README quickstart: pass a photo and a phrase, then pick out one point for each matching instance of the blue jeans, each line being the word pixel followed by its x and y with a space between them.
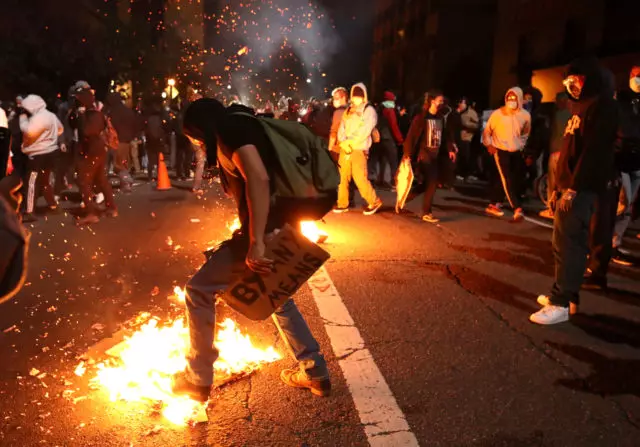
pixel 223 266
pixel 630 184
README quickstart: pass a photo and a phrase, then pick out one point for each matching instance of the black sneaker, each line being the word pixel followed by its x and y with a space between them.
pixel 182 387
pixel 372 209
pixel 620 258
pixel 298 379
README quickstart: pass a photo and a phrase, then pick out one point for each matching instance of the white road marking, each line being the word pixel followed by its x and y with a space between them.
pixel 383 421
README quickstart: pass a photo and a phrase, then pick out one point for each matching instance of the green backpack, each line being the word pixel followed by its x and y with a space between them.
pixel 306 180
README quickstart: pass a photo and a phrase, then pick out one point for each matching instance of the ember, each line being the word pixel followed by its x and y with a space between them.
pixel 142 365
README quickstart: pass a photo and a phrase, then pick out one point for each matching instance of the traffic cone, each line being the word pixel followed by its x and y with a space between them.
pixel 163 175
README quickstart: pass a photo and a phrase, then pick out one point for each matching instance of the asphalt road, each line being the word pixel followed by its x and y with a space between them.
pixel 441 308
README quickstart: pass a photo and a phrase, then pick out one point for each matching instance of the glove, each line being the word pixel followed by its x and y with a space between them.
pixel 492 150
pixel 566 201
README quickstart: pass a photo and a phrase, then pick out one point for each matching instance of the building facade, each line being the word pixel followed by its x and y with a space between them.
pixel 433 44
pixel 536 39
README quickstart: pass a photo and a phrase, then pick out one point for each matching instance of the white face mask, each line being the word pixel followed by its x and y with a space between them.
pixel 513 105
pixel 634 84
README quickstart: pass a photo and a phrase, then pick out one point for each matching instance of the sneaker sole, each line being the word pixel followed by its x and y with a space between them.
pixel 494 214
pixel 622 263
pixel 373 211
pixel 548 323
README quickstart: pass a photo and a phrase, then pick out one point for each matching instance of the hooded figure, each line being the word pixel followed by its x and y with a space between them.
pixel 505 137
pixel 584 173
pixel 41 129
pixel 354 140
pixel 358 121
pixel 627 153
pixel 508 127
pixel 586 155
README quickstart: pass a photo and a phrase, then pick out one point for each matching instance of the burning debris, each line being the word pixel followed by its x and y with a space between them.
pixel 140 368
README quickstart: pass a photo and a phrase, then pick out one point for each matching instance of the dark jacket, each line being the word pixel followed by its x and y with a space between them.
pixel 586 157
pixel 124 120
pixel 540 135
pixel 427 135
pixel 628 137
pixel 388 123
pixel 13 240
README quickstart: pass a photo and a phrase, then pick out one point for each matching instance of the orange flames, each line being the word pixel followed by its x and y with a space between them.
pixel 308 228
pixel 311 231
pixel 141 366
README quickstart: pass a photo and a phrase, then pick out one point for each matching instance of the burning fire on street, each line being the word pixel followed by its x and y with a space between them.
pixel 140 368
pixel 308 228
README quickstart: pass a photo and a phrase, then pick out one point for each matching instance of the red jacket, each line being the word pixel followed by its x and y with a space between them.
pixel 391 117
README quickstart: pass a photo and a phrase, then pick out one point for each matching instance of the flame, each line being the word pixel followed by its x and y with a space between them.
pixel 143 364
pixel 235 225
pixel 311 231
pixel 243 50
pixel 179 294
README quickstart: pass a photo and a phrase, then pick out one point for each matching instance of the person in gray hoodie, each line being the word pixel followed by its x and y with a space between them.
pixel 505 137
pixel 40 130
pixel 354 139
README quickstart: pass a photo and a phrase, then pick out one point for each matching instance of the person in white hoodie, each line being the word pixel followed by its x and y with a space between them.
pixel 40 130
pixel 354 139
pixel 505 137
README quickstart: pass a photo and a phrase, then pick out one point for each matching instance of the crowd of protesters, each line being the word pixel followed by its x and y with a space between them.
pixel 588 146
pixel 84 142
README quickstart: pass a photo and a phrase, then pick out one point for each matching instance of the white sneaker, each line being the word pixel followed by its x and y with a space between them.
pixel 550 315
pixel 99 198
pixel 543 300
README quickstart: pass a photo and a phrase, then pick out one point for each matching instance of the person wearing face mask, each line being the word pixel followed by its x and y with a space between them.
pixel 428 136
pixel 584 170
pixel 354 139
pixel 505 137
pixel 339 100
pixel 628 157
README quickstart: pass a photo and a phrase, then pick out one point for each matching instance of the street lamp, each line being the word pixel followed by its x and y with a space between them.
pixel 172 83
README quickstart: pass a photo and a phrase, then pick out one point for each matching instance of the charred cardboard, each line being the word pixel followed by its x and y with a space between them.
pixel 296 260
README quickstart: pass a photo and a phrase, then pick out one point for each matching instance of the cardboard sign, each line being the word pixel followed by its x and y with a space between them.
pixel 404 180
pixel 296 259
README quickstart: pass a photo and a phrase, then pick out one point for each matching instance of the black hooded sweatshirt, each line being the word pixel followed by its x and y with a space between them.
pixel 586 154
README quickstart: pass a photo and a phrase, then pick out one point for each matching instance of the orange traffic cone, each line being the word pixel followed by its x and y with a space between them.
pixel 163 175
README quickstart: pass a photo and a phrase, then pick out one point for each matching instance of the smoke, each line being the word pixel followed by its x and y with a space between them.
pixel 264 48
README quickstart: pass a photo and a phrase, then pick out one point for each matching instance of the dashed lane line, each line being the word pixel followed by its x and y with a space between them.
pixel 383 421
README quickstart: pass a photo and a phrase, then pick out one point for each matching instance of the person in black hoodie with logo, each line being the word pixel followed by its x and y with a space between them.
pixel 584 172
